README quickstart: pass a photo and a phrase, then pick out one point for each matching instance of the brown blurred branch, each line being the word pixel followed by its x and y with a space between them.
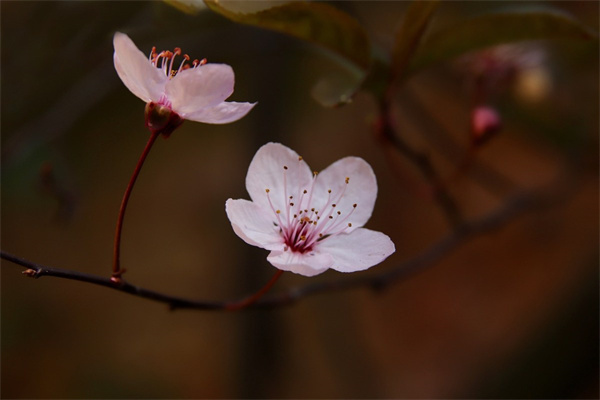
pixel 484 175
pixel 494 220
pixel 387 134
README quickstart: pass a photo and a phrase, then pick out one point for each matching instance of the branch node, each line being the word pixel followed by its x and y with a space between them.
pixel 116 276
pixel 31 273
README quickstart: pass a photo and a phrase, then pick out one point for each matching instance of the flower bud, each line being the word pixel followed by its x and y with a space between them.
pixel 161 119
pixel 485 122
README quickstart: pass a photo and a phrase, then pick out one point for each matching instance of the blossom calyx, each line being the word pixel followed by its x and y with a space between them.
pixel 161 119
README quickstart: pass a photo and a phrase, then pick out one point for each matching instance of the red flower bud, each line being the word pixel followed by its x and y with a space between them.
pixel 485 123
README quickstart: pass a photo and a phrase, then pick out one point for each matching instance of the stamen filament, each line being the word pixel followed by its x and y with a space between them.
pixel 334 226
pixel 273 208
pixel 186 58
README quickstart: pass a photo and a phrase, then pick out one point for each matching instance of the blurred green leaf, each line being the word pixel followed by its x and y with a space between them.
pixel 187 6
pixel 317 23
pixel 336 90
pixel 415 21
pixel 249 6
pixel 494 29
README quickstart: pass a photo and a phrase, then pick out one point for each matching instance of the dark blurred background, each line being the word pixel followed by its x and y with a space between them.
pixel 511 314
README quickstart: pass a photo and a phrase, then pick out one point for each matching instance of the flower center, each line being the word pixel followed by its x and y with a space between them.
pixel 165 60
pixel 302 223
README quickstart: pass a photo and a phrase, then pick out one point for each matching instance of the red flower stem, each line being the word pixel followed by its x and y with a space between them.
pixel 238 305
pixel 117 271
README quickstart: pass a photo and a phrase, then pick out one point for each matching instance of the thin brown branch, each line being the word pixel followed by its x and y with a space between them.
pixel 35 270
pixel 387 133
pixel 428 258
pixel 484 175
pixel 495 220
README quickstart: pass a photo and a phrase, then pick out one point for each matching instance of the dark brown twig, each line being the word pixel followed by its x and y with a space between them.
pixel 387 134
pixel 483 174
pixel 496 219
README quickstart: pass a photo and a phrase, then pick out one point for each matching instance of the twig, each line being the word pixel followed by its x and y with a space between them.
pixel 429 257
pixel 388 134
pixel 35 270
pixel 486 176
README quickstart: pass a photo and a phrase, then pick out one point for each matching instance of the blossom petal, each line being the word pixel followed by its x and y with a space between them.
pixel 136 71
pixel 253 225
pixel 268 171
pixel 223 113
pixel 307 264
pixel 196 88
pixel 358 250
pixel 361 189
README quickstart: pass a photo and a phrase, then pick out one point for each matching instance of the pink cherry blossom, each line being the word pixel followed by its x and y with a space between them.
pixel 195 92
pixel 309 221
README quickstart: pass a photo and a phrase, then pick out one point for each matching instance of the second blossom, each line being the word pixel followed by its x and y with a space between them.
pixel 192 90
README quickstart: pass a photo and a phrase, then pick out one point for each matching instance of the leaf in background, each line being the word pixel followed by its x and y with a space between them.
pixel 336 90
pixel 494 29
pixel 316 23
pixel 249 6
pixel 415 21
pixel 187 6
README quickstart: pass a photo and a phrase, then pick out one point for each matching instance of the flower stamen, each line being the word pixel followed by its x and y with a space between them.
pixel 302 229
pixel 165 60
